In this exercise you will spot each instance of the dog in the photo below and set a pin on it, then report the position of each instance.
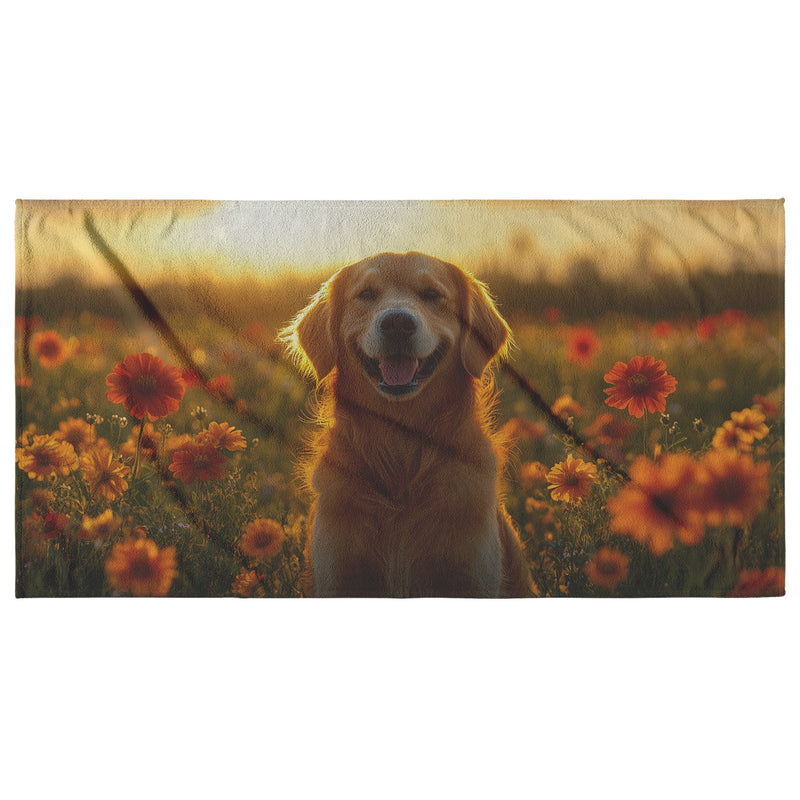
(405, 465)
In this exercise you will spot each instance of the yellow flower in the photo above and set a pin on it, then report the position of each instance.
(100, 528)
(566, 407)
(571, 480)
(105, 476)
(76, 431)
(741, 430)
(248, 584)
(263, 538)
(139, 568)
(46, 457)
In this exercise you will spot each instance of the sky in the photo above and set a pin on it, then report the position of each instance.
(275, 237)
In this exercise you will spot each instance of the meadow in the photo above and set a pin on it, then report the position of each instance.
(202, 498)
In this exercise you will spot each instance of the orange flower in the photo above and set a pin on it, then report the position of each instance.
(642, 383)
(49, 348)
(78, 432)
(521, 429)
(247, 584)
(105, 476)
(769, 582)
(566, 407)
(263, 538)
(608, 568)
(46, 457)
(571, 480)
(532, 473)
(100, 528)
(659, 505)
(139, 568)
(221, 386)
(224, 436)
(741, 430)
(145, 386)
(608, 429)
(767, 404)
(582, 346)
(197, 460)
(734, 489)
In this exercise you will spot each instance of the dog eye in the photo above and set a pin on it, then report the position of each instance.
(368, 294)
(430, 295)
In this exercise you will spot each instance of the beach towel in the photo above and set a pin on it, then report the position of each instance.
(163, 420)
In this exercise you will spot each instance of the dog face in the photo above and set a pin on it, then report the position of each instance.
(397, 322)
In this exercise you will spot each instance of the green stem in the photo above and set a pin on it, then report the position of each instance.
(138, 447)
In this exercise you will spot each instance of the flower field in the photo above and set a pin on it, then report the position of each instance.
(140, 474)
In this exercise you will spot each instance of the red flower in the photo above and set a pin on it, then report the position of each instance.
(196, 460)
(642, 383)
(582, 346)
(145, 386)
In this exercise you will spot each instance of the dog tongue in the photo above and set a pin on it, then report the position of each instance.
(398, 372)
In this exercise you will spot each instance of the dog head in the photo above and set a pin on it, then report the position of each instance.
(396, 322)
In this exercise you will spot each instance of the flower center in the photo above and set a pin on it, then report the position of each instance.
(146, 384)
(262, 538)
(141, 568)
(638, 383)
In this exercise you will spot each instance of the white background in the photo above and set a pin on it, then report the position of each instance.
(346, 100)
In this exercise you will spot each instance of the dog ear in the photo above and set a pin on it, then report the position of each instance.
(485, 333)
(310, 339)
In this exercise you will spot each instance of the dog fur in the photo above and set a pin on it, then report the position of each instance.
(405, 465)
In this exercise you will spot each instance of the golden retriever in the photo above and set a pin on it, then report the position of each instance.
(405, 466)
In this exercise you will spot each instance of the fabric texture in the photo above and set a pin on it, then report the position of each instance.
(163, 419)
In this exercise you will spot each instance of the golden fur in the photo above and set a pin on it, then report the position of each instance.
(405, 470)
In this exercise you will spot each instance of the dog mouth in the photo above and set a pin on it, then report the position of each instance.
(398, 375)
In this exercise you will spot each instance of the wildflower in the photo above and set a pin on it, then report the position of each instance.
(49, 348)
(138, 567)
(659, 504)
(247, 584)
(51, 526)
(582, 346)
(566, 407)
(642, 383)
(741, 430)
(750, 425)
(533, 473)
(662, 329)
(221, 387)
(100, 528)
(76, 431)
(571, 480)
(521, 429)
(105, 476)
(145, 386)
(197, 460)
(148, 446)
(263, 538)
(608, 568)
(224, 436)
(699, 425)
(610, 429)
(769, 582)
(768, 404)
(42, 498)
(46, 457)
(717, 385)
(734, 488)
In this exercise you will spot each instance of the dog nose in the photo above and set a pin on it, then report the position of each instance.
(397, 324)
